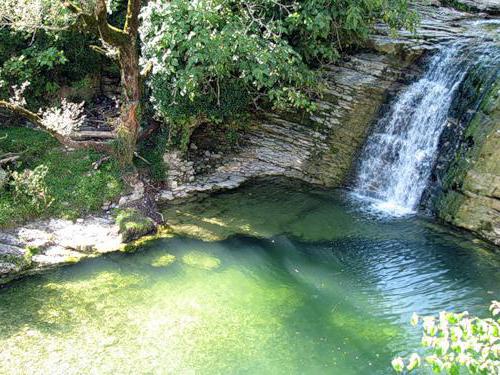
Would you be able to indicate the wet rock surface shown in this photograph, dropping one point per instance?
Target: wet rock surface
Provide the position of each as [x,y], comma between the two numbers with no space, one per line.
[470,182]
[437,25]
[488,6]
[47,244]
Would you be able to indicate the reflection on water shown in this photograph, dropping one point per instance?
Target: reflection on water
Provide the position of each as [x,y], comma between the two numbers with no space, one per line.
[280,279]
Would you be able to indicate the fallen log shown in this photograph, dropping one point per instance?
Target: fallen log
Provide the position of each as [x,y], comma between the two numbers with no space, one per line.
[93,134]
[9,158]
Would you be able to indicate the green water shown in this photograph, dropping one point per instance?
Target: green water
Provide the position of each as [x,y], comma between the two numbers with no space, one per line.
[294,280]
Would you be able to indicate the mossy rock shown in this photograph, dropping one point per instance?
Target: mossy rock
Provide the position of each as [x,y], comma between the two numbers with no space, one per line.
[133,224]
[13,260]
[471,183]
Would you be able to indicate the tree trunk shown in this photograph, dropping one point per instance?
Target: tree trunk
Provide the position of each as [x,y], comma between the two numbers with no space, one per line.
[128,129]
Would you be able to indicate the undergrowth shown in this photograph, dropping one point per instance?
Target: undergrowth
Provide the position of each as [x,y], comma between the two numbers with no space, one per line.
[74,186]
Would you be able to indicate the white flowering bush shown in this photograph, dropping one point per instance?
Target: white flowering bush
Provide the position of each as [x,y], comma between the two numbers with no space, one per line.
[18,94]
[456,341]
[64,119]
[32,15]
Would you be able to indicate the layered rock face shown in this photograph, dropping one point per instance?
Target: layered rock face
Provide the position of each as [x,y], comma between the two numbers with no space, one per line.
[320,148]
[470,197]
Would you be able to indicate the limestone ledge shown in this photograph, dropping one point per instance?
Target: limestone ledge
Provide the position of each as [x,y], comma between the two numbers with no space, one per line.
[43,245]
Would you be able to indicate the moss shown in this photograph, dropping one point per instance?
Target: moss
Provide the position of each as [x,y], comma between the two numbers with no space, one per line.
[449,205]
[20,262]
[161,232]
[33,250]
[72,259]
[201,260]
[76,188]
[133,224]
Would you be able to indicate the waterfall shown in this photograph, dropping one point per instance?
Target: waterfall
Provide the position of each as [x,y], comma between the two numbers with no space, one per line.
[398,158]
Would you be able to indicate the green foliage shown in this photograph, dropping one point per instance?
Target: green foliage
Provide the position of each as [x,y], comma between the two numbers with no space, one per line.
[214,59]
[457,341]
[152,149]
[321,29]
[72,184]
[30,187]
[211,59]
[48,62]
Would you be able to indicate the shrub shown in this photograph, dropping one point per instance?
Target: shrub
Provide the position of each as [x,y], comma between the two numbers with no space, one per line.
[49,61]
[456,341]
[29,186]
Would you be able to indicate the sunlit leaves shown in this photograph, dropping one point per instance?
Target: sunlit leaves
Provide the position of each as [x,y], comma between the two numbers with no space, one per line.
[205,52]
[454,341]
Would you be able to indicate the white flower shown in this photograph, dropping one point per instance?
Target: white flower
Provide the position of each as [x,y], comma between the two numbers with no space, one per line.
[398,364]
[64,119]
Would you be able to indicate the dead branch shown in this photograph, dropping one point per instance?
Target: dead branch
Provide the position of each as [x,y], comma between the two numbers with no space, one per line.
[9,158]
[96,165]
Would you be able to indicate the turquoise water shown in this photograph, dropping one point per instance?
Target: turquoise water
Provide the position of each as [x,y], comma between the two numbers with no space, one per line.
[275,278]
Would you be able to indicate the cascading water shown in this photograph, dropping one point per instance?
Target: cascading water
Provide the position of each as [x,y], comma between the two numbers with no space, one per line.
[398,158]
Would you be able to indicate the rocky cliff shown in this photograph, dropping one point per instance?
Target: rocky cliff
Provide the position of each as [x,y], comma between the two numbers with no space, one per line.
[470,196]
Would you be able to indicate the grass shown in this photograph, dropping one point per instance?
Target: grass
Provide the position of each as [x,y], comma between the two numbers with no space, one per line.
[75,187]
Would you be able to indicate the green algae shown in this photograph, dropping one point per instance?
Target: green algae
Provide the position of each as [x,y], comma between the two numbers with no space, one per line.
[163,260]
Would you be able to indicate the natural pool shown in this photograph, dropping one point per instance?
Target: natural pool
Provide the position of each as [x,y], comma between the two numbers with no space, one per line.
[287,279]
